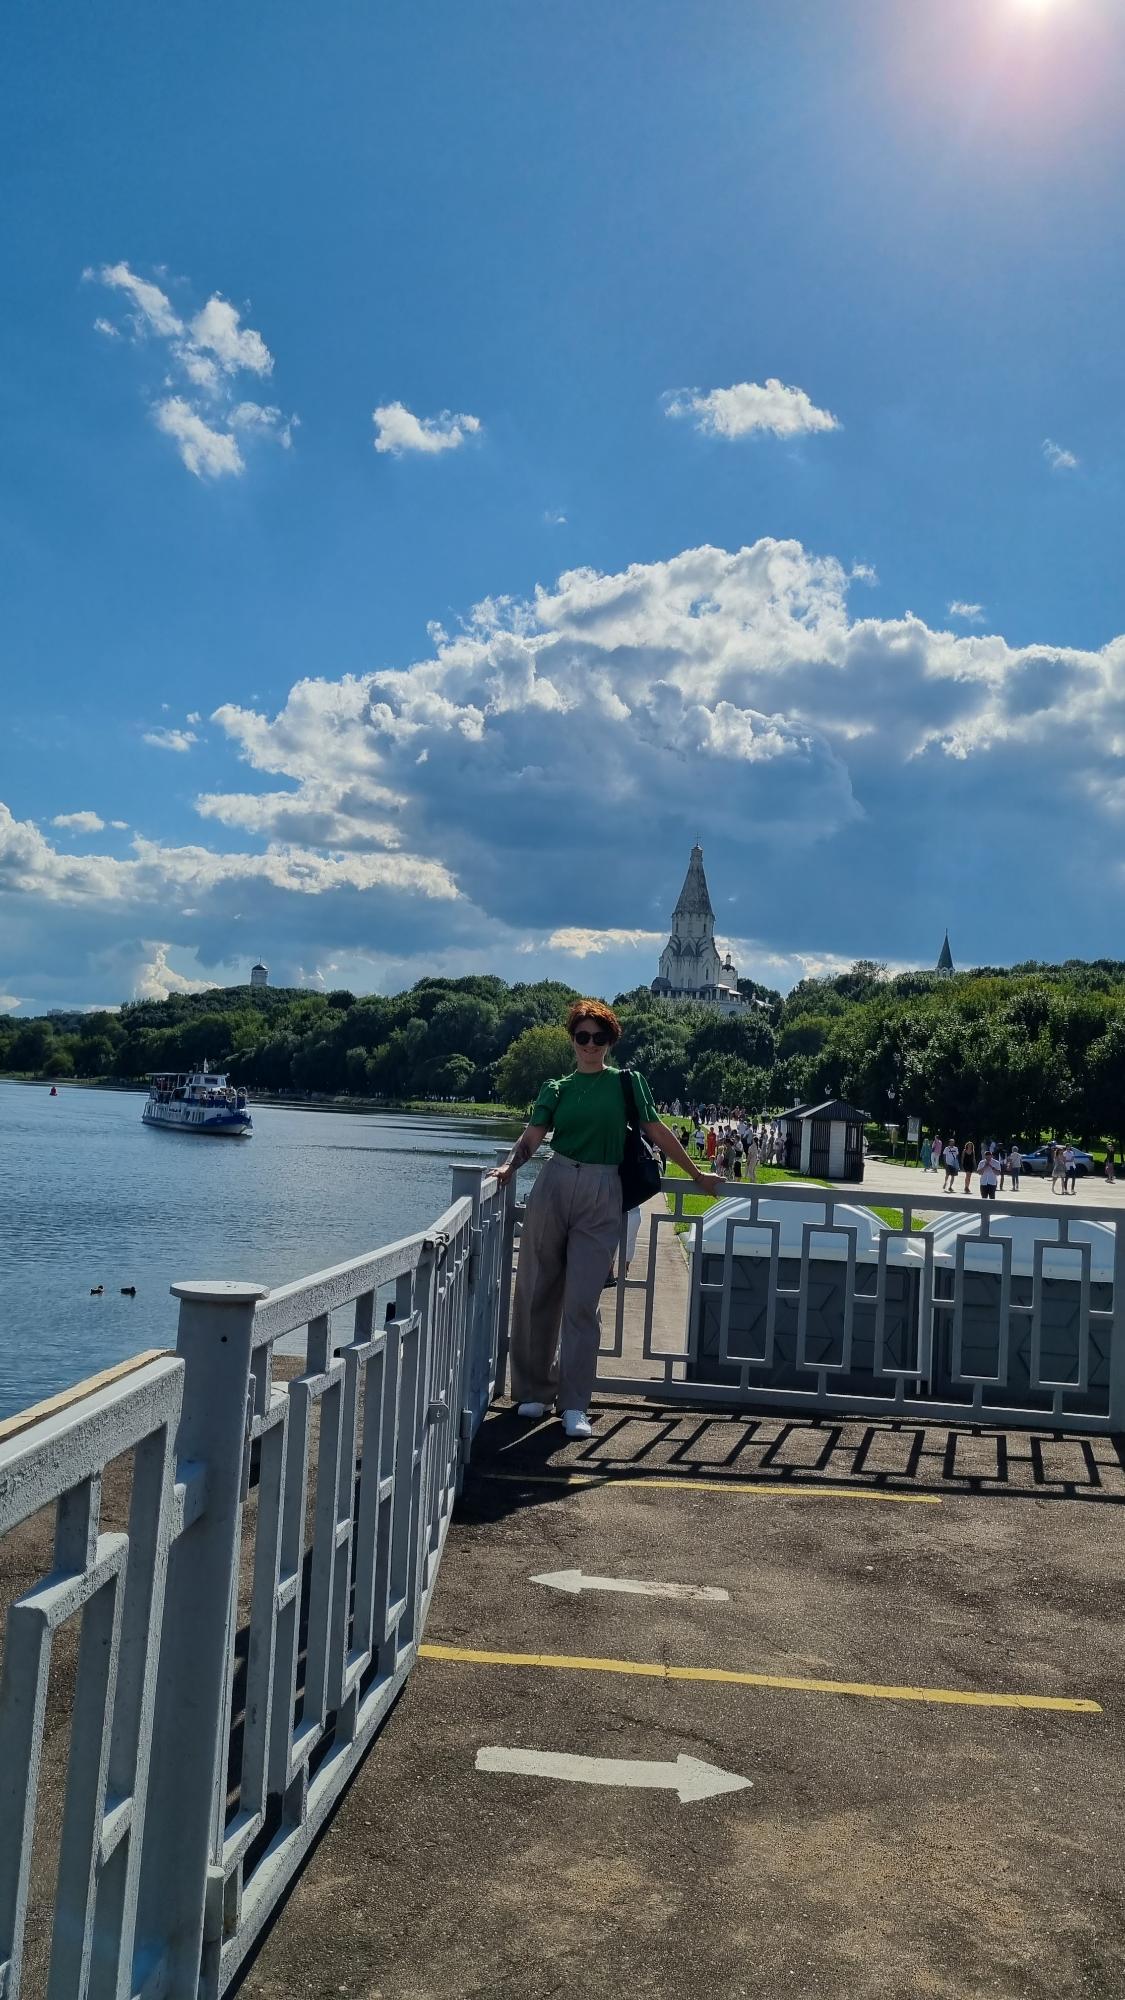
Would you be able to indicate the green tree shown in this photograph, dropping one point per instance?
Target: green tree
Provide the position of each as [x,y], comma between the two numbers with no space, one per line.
[659,1050]
[1106,1082]
[94,1056]
[534,1057]
[748,1037]
[803,1036]
[33,1044]
[463,1024]
[449,1076]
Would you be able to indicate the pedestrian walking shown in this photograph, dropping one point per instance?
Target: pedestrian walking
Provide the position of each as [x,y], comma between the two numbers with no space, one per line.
[968,1163]
[952,1159]
[1015,1167]
[1070,1171]
[937,1154]
[572,1223]
[1058,1168]
[988,1177]
[1110,1166]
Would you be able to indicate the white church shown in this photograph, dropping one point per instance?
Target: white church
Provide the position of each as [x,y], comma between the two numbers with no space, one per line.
[690,965]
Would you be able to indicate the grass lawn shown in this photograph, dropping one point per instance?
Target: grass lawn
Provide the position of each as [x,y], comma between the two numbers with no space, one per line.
[698,1204]
[459,1108]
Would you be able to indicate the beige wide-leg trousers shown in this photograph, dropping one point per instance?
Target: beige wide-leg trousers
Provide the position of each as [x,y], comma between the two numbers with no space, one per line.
[570,1232]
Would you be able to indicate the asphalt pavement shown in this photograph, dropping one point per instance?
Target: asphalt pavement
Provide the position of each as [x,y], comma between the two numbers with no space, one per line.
[902,1644]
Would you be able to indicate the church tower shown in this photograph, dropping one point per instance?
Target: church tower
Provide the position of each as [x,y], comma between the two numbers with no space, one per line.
[690,965]
[944,966]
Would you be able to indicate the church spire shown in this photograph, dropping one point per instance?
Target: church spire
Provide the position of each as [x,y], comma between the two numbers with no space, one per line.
[694,898]
[945,959]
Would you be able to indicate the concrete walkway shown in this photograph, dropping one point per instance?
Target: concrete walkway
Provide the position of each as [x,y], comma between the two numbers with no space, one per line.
[910,1829]
[1093,1191]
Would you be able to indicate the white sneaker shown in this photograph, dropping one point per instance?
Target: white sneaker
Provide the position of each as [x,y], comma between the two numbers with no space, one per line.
[532,1410]
[577,1424]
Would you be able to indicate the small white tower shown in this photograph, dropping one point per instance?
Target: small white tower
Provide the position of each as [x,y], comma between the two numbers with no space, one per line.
[259,974]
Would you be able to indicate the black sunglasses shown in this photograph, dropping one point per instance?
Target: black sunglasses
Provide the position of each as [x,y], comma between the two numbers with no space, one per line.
[599,1037]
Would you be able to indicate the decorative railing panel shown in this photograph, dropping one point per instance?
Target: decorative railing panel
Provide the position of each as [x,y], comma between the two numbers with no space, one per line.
[1007,1312]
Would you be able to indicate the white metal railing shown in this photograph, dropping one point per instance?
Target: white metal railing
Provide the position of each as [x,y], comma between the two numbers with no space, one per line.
[1015,1318]
[241,1640]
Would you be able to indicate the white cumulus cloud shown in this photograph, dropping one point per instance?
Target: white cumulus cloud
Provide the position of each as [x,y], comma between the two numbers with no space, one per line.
[526,790]
[170,739]
[154,310]
[218,329]
[156,979]
[203,414]
[582,943]
[207,452]
[79,822]
[1057,457]
[397,429]
[747,407]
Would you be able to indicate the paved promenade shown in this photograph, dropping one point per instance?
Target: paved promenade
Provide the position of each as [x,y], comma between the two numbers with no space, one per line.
[1093,1191]
[917,1664]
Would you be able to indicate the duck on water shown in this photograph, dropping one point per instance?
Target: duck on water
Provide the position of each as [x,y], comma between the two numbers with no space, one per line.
[201,1100]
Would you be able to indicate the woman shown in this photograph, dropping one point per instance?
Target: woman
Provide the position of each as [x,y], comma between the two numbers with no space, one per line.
[988,1176]
[968,1163]
[573,1220]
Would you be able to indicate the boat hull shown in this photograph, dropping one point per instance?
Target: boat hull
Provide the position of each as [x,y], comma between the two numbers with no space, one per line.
[201,1119]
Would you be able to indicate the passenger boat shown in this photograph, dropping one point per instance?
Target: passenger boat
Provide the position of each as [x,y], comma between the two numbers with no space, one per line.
[198,1100]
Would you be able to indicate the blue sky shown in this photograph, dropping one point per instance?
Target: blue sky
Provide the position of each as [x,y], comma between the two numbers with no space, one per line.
[718,352]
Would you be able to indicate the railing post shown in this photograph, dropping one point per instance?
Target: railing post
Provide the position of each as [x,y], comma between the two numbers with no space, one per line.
[189,1757]
[467,1181]
[1117,1347]
[507,1245]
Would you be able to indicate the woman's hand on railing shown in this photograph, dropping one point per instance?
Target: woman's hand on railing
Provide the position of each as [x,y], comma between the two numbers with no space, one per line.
[710,1183]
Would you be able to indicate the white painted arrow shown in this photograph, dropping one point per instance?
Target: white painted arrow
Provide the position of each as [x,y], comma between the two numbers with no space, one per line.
[688,1776]
[574,1580]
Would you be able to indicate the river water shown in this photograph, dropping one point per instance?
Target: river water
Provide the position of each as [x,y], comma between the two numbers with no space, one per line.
[89,1196]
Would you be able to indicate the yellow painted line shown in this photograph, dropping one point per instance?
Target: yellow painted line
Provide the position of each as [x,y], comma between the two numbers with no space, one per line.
[758,1489]
[789,1683]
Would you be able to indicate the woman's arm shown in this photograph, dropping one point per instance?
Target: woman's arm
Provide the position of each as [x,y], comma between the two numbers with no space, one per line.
[661,1135]
[528,1143]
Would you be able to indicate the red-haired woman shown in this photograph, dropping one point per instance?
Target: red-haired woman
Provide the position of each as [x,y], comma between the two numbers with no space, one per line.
[573,1218]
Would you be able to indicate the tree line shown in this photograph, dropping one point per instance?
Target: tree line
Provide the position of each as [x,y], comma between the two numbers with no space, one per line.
[1018,1051]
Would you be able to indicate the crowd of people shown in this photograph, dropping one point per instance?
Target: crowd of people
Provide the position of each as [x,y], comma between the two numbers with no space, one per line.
[731,1142]
[993,1164]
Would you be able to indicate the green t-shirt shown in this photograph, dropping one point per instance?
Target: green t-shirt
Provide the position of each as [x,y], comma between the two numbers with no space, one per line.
[586,1114]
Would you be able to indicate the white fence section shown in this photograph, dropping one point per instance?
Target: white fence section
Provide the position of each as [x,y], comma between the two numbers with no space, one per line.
[291,1481]
[1008,1312]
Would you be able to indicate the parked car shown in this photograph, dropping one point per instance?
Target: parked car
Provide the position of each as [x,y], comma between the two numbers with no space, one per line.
[1039,1161]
